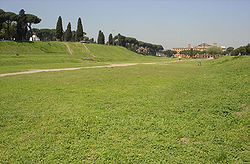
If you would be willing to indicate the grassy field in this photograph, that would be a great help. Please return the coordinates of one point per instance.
(174, 113)
(22, 56)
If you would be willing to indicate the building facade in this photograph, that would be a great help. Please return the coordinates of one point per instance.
(200, 47)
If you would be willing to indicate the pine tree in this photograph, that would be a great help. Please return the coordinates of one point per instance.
(59, 29)
(110, 39)
(79, 31)
(68, 33)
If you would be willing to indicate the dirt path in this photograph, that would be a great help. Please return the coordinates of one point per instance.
(69, 69)
(88, 51)
(68, 48)
(77, 68)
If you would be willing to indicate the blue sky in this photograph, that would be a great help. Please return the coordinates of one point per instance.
(171, 23)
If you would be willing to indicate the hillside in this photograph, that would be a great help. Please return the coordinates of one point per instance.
(19, 56)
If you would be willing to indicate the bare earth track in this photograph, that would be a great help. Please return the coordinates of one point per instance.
(68, 69)
(68, 49)
(77, 68)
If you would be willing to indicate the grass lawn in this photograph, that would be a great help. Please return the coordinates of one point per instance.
(174, 113)
(22, 56)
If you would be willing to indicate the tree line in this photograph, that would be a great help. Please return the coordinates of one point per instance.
(130, 43)
(68, 35)
(214, 50)
(17, 26)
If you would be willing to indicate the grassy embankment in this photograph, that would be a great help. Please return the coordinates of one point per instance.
(15, 56)
(174, 113)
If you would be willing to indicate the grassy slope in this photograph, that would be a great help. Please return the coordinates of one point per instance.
(136, 114)
(118, 54)
(38, 55)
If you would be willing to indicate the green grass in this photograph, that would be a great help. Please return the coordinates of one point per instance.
(172, 113)
(43, 55)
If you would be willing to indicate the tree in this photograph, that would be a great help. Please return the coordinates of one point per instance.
(229, 50)
(79, 32)
(92, 40)
(45, 34)
(110, 42)
(21, 26)
(121, 40)
(68, 33)
(59, 29)
(241, 50)
(214, 50)
(2, 18)
(248, 49)
(10, 17)
(168, 53)
(32, 19)
(101, 38)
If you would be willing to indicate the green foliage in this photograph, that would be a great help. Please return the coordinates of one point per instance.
(101, 38)
(168, 53)
(243, 50)
(110, 42)
(229, 50)
(14, 27)
(68, 33)
(21, 26)
(239, 51)
(248, 49)
(214, 50)
(133, 45)
(2, 18)
(32, 19)
(45, 34)
(79, 32)
(59, 29)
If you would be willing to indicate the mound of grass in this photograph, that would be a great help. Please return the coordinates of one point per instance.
(174, 113)
(20, 56)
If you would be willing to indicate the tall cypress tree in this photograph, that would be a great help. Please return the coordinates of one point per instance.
(79, 30)
(59, 29)
(68, 33)
(99, 37)
(21, 26)
(102, 38)
(110, 39)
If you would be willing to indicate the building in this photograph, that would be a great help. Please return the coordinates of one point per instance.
(34, 38)
(201, 47)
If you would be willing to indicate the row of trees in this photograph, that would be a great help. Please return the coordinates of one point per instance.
(130, 43)
(69, 35)
(17, 26)
(168, 53)
(243, 50)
